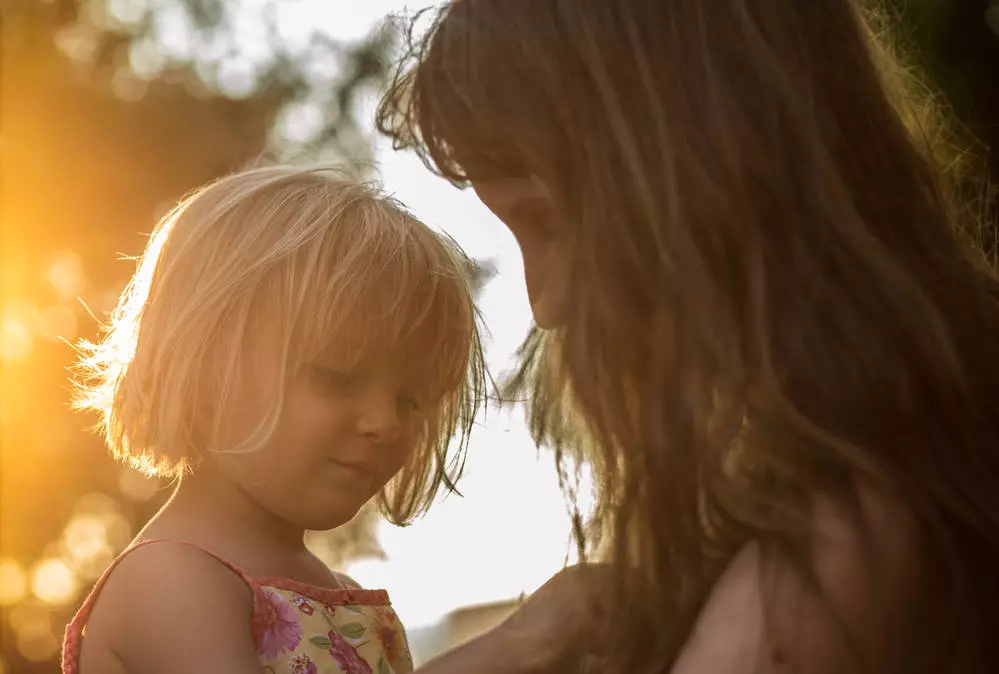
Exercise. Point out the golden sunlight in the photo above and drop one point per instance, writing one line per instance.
(54, 582)
(57, 322)
(13, 582)
(85, 541)
(64, 272)
(38, 644)
(135, 486)
(36, 639)
(82, 532)
(19, 319)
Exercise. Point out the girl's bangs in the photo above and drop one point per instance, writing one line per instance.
(405, 298)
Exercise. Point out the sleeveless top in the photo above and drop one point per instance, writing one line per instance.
(297, 628)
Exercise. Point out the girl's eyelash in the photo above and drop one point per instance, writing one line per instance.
(334, 378)
(410, 402)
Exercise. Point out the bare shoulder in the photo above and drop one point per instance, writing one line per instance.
(319, 573)
(167, 594)
(765, 616)
(345, 581)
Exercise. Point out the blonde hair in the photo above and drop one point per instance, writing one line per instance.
(315, 258)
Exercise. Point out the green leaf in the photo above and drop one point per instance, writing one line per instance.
(350, 608)
(353, 630)
(321, 642)
(383, 667)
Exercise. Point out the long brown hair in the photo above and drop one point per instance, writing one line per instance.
(770, 300)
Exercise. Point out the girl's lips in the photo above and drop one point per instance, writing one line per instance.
(367, 469)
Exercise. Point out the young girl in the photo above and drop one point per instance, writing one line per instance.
(782, 357)
(292, 345)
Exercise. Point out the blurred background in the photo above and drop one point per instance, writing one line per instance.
(113, 109)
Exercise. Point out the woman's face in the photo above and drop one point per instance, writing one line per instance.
(525, 206)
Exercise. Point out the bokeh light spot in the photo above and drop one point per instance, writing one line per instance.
(64, 272)
(136, 486)
(32, 624)
(85, 540)
(97, 559)
(96, 503)
(54, 582)
(128, 86)
(13, 582)
(82, 532)
(127, 12)
(119, 530)
(57, 323)
(38, 646)
(18, 322)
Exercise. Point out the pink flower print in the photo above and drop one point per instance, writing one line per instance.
(347, 656)
(303, 605)
(302, 664)
(276, 627)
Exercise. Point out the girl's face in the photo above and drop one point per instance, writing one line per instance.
(526, 208)
(343, 434)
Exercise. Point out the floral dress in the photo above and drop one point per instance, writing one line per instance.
(299, 628)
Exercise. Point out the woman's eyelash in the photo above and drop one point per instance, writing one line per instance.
(539, 223)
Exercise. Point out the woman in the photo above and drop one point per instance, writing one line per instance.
(758, 314)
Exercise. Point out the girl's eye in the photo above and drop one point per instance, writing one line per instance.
(409, 404)
(334, 380)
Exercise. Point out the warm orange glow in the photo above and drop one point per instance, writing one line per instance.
(85, 540)
(82, 531)
(13, 583)
(94, 562)
(57, 323)
(18, 323)
(119, 530)
(96, 503)
(36, 639)
(54, 581)
(64, 272)
(38, 646)
(136, 486)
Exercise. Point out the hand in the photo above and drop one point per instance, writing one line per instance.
(556, 626)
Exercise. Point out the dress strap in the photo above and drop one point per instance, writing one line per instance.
(74, 630)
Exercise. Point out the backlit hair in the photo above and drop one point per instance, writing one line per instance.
(769, 299)
(310, 259)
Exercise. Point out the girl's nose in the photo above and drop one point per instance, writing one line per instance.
(379, 417)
